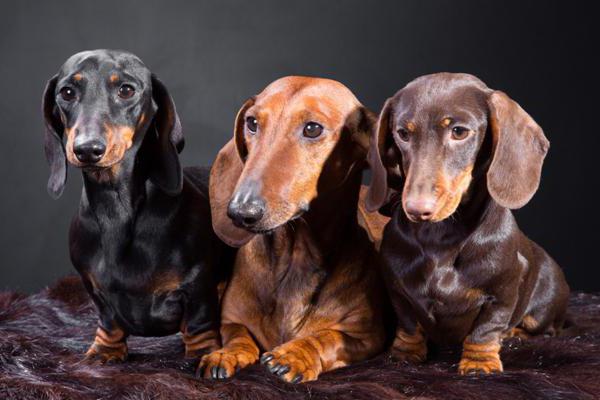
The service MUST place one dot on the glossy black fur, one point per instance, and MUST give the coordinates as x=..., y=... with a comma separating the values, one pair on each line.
x=142, y=239
x=42, y=337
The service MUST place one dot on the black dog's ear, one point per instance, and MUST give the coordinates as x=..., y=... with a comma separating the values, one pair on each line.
x=53, y=141
x=385, y=162
x=166, y=172
x=519, y=149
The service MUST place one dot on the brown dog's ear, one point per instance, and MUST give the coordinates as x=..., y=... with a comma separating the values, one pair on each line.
x=166, y=172
x=519, y=150
x=238, y=129
x=224, y=175
x=384, y=161
x=53, y=141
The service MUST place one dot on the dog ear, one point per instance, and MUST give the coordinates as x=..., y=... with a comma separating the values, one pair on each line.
x=519, y=149
x=366, y=121
x=166, y=173
x=224, y=175
x=53, y=141
x=238, y=129
x=385, y=162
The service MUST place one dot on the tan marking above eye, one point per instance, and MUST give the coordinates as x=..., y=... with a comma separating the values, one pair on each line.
x=114, y=78
x=411, y=126
x=77, y=77
x=446, y=122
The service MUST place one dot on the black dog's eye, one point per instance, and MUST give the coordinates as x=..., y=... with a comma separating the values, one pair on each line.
x=312, y=130
x=403, y=134
x=67, y=93
x=126, y=91
x=459, y=133
x=252, y=124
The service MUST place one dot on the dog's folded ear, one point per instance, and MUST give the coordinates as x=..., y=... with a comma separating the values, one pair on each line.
x=385, y=162
x=519, y=149
x=53, y=141
x=166, y=172
x=224, y=176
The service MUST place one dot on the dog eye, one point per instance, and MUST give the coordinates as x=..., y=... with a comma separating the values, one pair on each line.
x=459, y=133
x=67, y=93
x=126, y=91
x=252, y=124
x=312, y=130
x=403, y=134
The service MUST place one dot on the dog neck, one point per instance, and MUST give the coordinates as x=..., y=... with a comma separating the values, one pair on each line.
x=476, y=207
x=323, y=232
x=112, y=197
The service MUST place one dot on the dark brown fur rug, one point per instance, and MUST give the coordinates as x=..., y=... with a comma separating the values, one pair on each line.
x=43, y=337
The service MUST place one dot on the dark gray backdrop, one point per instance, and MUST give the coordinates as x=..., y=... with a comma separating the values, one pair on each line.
x=213, y=55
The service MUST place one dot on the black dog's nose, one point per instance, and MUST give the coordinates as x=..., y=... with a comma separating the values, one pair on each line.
x=246, y=213
x=90, y=151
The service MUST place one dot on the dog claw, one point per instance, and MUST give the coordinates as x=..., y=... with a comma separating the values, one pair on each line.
x=297, y=378
x=265, y=358
x=284, y=369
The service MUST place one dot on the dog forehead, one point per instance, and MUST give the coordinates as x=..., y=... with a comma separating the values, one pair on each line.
x=442, y=95
x=105, y=62
x=296, y=94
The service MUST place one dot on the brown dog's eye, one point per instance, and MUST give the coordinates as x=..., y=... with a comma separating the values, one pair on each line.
x=459, y=133
x=312, y=130
x=67, y=93
x=126, y=91
x=403, y=134
x=252, y=124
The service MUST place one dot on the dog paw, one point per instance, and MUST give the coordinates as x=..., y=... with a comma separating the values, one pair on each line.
x=224, y=363
x=480, y=359
x=291, y=363
x=107, y=355
x=409, y=348
x=479, y=367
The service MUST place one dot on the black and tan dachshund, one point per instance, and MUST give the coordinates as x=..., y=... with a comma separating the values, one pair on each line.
x=450, y=158
x=142, y=239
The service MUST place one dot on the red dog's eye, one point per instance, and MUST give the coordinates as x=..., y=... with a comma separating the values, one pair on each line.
x=67, y=93
x=252, y=124
x=460, y=133
x=312, y=130
x=126, y=91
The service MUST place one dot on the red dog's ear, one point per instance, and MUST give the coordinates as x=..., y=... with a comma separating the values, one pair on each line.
x=224, y=176
x=385, y=162
x=519, y=151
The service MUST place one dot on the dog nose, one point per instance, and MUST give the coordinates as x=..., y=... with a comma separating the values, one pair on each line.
x=420, y=209
x=246, y=213
x=89, y=151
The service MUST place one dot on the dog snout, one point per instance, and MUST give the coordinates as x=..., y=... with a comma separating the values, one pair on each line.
x=246, y=209
x=420, y=208
x=89, y=151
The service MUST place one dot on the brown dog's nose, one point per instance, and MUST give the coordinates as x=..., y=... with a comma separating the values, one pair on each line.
x=420, y=208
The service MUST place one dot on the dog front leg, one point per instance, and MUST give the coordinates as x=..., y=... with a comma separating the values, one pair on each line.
x=200, y=327
x=410, y=343
x=481, y=348
x=239, y=350
x=110, y=344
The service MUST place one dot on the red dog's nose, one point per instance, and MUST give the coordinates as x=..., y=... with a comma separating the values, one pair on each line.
x=420, y=208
